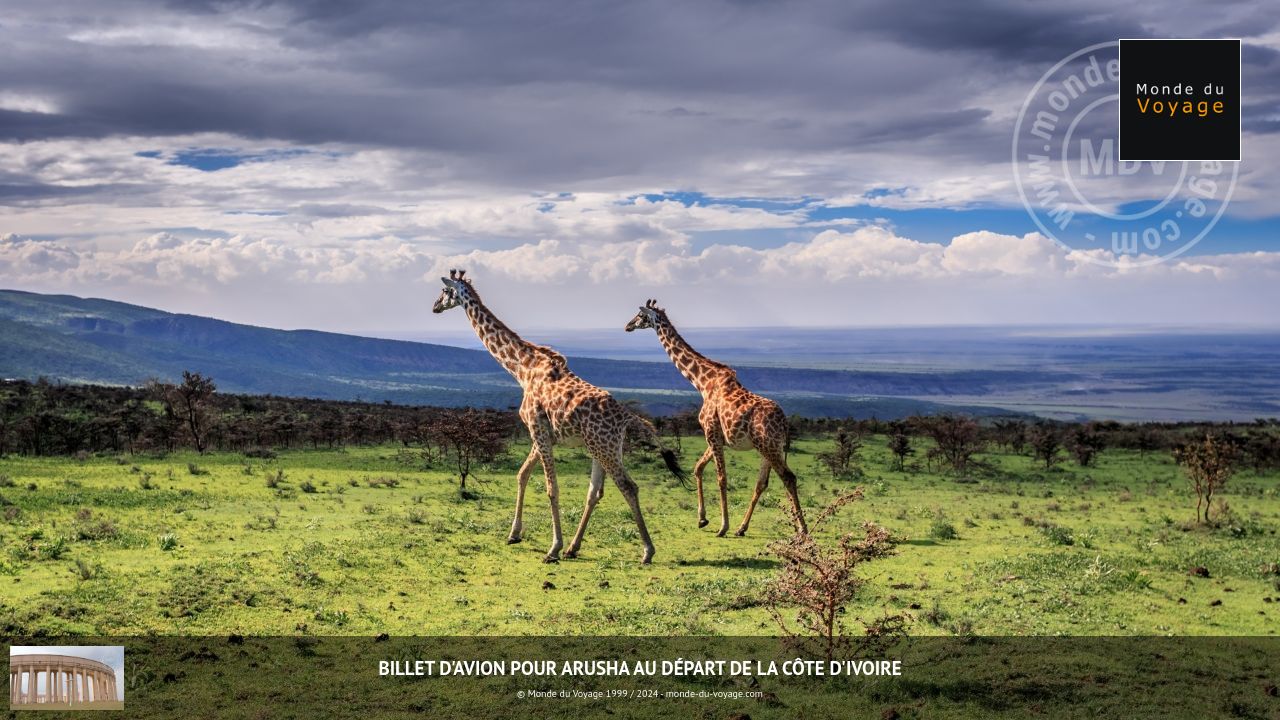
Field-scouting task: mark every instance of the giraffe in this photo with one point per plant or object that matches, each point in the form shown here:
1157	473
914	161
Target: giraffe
730	416
558	404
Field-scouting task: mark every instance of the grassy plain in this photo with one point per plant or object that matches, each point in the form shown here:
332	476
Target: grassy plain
357	542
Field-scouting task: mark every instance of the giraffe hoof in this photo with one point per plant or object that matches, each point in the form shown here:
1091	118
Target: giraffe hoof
703	522
513	540
549	559
722	532
571	553
647	557
740	532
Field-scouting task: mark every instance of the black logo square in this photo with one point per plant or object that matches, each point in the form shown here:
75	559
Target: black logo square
1179	100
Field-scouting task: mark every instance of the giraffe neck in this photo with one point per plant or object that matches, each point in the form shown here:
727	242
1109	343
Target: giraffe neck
509	349
693	365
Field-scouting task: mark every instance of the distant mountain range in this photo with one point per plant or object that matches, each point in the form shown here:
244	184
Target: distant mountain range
85	340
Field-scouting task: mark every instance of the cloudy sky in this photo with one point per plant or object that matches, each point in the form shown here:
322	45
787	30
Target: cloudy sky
319	164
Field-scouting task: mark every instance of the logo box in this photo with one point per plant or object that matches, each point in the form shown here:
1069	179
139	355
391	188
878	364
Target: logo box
1180	100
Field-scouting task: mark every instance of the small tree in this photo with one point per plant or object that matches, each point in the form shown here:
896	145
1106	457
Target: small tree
1012	434
1145	440
900	443
819	581
1045	443
191	400
841	458
1085	444
469	437
1263	450
956	440
1209	464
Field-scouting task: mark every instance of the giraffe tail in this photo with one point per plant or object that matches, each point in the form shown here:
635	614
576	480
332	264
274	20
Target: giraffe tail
651	440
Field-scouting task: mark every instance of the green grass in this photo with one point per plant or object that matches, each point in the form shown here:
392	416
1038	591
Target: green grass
355	542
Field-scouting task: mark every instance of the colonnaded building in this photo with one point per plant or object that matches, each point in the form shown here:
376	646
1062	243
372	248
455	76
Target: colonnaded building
67	680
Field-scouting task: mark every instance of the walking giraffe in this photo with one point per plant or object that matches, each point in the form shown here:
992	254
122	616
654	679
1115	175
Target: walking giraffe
558	404
730	416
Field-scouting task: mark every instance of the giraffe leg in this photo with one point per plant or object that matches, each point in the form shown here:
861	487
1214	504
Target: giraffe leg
697	474
542	441
522	481
789	481
631	493
761	483
594	493
722	481
774	459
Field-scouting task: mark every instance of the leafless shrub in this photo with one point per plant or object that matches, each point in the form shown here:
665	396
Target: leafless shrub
957	439
842	458
1209	463
818	580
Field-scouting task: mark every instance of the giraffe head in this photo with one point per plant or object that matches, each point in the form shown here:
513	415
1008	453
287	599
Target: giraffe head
650	316
456	289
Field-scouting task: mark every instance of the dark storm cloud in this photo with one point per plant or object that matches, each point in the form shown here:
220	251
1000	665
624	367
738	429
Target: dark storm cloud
546	95
1008	31
15	193
862	134
18	125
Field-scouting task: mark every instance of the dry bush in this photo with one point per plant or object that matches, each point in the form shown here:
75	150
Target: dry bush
1209	463
818	580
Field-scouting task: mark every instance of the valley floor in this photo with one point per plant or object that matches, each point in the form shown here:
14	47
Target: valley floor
357	542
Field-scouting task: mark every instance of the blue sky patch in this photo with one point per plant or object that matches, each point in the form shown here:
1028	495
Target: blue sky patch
214	159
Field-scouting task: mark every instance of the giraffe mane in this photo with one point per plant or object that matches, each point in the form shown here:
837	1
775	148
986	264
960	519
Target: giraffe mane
551	355
662	315
556	364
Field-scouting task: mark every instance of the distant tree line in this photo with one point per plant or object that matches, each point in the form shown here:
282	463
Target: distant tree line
44	418
955	441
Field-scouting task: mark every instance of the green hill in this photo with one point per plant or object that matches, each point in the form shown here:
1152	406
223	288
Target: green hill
74	339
